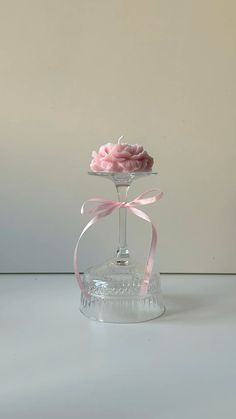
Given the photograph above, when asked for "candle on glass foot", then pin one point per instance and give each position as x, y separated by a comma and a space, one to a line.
121, 157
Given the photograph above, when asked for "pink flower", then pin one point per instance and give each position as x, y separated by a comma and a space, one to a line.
121, 158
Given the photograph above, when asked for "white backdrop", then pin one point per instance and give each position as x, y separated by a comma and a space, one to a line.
76, 74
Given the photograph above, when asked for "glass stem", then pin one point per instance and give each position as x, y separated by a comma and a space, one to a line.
122, 251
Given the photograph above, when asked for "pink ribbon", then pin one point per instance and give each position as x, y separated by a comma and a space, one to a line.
106, 207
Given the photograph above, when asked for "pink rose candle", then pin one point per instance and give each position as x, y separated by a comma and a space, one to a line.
121, 157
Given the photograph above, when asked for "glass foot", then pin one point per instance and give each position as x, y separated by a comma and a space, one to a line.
114, 293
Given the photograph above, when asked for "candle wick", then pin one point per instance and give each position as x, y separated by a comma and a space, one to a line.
119, 139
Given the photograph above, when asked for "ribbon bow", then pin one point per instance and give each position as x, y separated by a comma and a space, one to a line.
106, 207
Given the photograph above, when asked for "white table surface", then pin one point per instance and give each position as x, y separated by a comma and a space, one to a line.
55, 363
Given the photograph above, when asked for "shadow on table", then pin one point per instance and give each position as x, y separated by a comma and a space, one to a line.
199, 308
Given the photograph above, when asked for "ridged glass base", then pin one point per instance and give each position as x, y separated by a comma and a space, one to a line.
113, 294
121, 310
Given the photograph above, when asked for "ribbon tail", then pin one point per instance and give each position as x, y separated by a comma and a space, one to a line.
151, 256
76, 269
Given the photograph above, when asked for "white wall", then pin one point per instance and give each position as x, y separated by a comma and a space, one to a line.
76, 74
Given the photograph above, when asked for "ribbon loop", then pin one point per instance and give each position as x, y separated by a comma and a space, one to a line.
106, 207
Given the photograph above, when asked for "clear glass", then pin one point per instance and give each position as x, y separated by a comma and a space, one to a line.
114, 286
